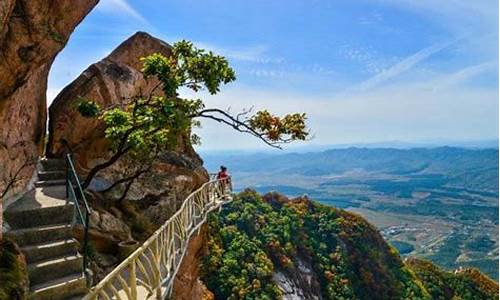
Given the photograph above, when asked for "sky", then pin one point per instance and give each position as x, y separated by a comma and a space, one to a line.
364, 71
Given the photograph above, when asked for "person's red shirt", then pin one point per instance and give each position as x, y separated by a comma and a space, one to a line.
224, 176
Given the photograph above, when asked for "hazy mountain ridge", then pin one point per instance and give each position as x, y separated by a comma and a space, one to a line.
471, 168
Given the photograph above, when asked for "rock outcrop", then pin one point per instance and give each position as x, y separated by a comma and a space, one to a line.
300, 282
112, 81
32, 32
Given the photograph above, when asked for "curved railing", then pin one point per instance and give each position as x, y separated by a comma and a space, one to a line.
149, 272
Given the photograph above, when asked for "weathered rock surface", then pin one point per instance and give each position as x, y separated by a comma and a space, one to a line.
187, 285
112, 81
32, 32
301, 283
107, 229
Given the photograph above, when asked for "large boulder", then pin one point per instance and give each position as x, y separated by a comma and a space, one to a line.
112, 81
32, 32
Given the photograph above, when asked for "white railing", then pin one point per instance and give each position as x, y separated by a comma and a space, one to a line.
149, 272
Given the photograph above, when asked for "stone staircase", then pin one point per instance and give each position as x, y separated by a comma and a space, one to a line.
41, 225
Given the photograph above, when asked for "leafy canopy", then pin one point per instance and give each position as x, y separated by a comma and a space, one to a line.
148, 124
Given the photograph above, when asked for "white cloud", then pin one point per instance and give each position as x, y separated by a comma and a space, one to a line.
407, 112
254, 54
465, 74
371, 60
404, 65
120, 6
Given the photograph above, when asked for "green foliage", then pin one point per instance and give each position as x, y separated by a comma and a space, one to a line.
350, 258
13, 272
189, 67
145, 126
87, 108
467, 284
274, 128
243, 270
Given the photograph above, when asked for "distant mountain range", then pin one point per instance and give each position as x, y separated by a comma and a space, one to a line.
467, 168
307, 147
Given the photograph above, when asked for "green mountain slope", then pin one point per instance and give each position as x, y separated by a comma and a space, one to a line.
258, 243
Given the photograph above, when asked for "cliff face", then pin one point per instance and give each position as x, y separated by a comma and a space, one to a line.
272, 247
32, 32
187, 284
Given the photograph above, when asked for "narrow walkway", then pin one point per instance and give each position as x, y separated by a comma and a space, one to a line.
149, 272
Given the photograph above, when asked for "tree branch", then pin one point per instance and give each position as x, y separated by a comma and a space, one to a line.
236, 124
125, 192
126, 179
102, 166
15, 177
122, 150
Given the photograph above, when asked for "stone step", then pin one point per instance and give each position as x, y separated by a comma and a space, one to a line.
68, 287
53, 268
47, 250
43, 183
52, 164
18, 219
37, 235
51, 175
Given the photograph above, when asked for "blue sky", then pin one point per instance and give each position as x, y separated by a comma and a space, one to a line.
364, 71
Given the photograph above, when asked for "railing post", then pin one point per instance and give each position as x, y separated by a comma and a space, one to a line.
132, 280
157, 271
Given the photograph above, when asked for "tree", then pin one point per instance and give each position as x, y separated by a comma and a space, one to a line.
144, 126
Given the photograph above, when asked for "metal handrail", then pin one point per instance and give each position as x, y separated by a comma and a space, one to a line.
150, 270
75, 192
